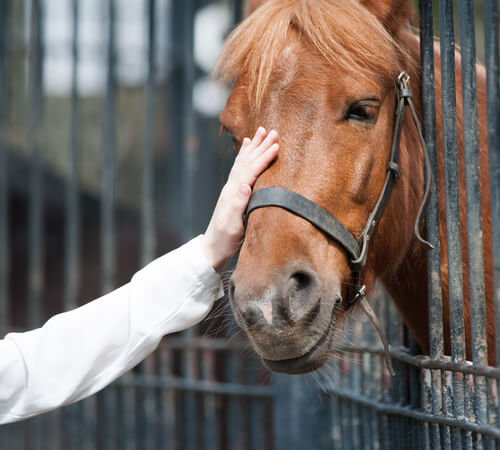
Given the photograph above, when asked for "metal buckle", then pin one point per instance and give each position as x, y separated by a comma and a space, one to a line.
403, 88
359, 294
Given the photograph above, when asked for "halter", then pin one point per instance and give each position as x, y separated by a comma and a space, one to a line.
357, 249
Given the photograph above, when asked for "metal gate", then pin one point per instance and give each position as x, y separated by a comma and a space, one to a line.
72, 208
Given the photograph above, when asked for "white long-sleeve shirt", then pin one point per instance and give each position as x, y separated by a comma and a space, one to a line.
77, 353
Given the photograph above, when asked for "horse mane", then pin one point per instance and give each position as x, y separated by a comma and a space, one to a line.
346, 34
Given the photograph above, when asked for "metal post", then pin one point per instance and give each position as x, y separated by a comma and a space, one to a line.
71, 417
145, 400
474, 219
432, 219
189, 170
36, 231
4, 218
454, 251
106, 400
493, 94
148, 229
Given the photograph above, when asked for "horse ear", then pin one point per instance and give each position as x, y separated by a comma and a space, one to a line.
393, 14
254, 4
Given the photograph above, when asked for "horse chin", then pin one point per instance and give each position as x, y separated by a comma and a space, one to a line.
312, 360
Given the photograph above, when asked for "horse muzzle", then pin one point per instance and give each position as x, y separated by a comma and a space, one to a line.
290, 322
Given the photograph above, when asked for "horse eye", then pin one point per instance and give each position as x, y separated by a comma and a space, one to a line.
236, 143
362, 112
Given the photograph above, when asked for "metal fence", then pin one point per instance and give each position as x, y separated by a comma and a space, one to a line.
93, 231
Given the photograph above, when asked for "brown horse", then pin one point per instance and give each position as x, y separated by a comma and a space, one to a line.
323, 73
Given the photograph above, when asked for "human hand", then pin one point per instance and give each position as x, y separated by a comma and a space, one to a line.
225, 230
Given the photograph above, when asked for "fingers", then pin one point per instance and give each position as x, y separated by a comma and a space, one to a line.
263, 161
260, 134
270, 139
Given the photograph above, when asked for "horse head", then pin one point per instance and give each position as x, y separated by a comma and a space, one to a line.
324, 75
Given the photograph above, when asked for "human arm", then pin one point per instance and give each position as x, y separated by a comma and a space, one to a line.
77, 353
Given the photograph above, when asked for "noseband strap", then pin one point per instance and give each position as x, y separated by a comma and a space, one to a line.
305, 208
357, 249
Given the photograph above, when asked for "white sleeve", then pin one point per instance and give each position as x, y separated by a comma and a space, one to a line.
77, 353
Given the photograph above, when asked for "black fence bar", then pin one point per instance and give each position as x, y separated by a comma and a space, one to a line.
424, 362
203, 386
72, 414
189, 172
432, 219
4, 219
106, 401
405, 411
148, 230
451, 176
72, 230
145, 397
35, 276
36, 207
108, 160
211, 435
492, 80
473, 196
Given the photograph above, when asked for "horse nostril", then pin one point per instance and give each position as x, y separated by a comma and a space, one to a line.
252, 314
303, 296
302, 280
231, 289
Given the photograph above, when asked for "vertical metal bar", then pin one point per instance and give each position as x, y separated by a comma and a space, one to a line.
189, 169
72, 232
453, 235
148, 230
166, 404
282, 413
257, 413
336, 420
106, 400
474, 219
493, 93
432, 220
108, 162
71, 414
234, 410
4, 218
35, 281
210, 402
237, 11
145, 399
35, 230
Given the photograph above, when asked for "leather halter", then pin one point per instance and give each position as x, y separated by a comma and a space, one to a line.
356, 249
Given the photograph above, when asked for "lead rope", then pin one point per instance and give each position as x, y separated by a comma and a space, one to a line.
404, 92
367, 309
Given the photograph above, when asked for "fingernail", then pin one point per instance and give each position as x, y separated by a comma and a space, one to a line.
246, 141
262, 129
244, 190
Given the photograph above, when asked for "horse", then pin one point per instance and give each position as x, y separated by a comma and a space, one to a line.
324, 74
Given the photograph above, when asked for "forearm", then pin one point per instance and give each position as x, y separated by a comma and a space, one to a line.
77, 353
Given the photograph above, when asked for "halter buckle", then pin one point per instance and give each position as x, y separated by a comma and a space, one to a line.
361, 293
